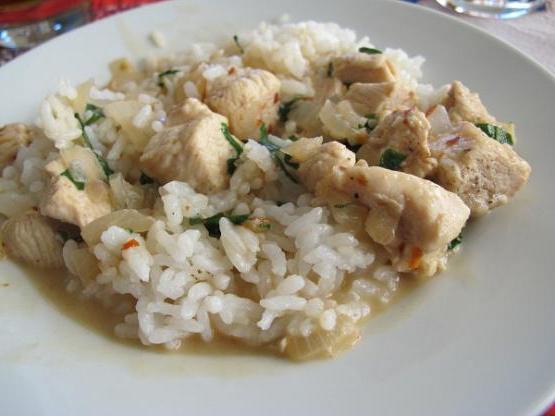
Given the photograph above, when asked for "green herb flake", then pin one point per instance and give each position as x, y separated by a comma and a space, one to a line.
164, 74
130, 230
285, 108
391, 159
496, 133
293, 138
330, 70
78, 184
96, 115
283, 160
212, 224
144, 179
101, 161
369, 51
264, 226
455, 242
237, 146
236, 40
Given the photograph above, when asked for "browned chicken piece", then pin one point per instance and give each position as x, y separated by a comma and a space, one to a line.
361, 67
248, 98
413, 218
406, 132
379, 98
64, 200
12, 138
464, 105
482, 171
31, 239
322, 161
195, 151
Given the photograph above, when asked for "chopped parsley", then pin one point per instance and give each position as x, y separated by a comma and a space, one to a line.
264, 226
78, 184
236, 144
496, 133
144, 179
285, 108
96, 115
212, 224
330, 70
102, 162
371, 123
164, 74
283, 160
236, 40
392, 159
455, 242
369, 51
293, 138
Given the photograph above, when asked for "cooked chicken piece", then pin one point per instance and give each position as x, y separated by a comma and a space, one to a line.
379, 98
464, 105
195, 151
413, 218
327, 156
482, 171
12, 138
407, 133
305, 112
31, 239
361, 67
248, 98
64, 200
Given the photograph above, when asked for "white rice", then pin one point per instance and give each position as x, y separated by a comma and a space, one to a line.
302, 275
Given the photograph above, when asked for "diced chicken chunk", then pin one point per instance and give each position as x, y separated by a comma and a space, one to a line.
405, 132
195, 151
321, 163
66, 203
379, 98
12, 138
413, 218
31, 238
361, 67
482, 171
248, 98
464, 105
63, 200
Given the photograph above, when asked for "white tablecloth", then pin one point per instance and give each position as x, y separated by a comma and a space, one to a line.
533, 34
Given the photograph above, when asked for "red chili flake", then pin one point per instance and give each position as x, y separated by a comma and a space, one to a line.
231, 70
453, 141
276, 97
130, 243
415, 258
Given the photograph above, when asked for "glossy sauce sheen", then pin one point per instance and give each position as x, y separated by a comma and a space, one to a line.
93, 316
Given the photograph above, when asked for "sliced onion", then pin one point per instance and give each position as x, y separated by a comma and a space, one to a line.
439, 121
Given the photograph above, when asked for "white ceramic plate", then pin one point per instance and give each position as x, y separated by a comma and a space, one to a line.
477, 340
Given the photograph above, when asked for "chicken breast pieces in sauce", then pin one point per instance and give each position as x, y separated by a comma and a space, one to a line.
482, 171
413, 218
195, 151
247, 97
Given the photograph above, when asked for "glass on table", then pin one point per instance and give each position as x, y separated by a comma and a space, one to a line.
26, 23
499, 9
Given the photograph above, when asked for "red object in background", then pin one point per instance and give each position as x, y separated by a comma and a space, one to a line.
103, 8
28, 11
